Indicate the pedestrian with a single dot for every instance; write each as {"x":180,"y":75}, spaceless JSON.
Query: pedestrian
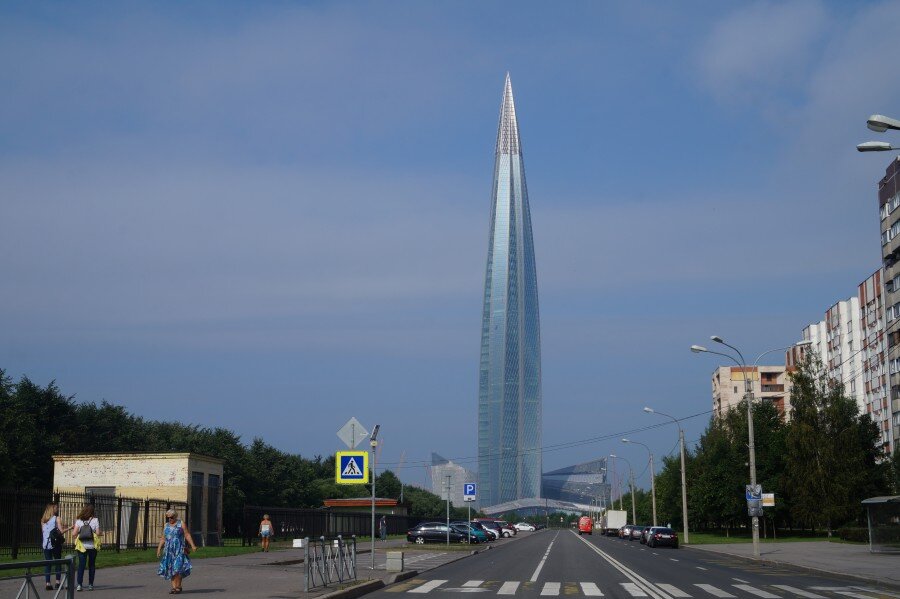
{"x":175,"y":564}
{"x":52,"y":539}
{"x":266,"y":531}
{"x":382,"y":528}
{"x":86,"y":532}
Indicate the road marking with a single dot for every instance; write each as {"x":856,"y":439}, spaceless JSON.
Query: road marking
{"x":672,"y":590}
{"x":633,"y":589}
{"x":854,"y":595}
{"x":655,"y":553}
{"x":700,"y":568}
{"x":641,"y":582}
{"x":537,"y":570}
{"x":739,"y":580}
{"x":509,"y":588}
{"x":755,"y":591}
{"x":550,"y":588}
{"x":473,"y":583}
{"x":428,"y":586}
{"x":876,"y":591}
{"x":799,"y":592}
{"x":590,"y":589}
{"x":673,"y":559}
{"x":713,"y":590}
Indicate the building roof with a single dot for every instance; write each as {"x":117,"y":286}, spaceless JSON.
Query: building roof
{"x":883,"y":499}
{"x":134,"y":455}
{"x":360,"y":502}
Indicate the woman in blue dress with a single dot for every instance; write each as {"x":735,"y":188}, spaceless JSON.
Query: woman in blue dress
{"x":175,"y":564}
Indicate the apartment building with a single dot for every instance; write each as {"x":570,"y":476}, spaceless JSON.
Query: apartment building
{"x":888,"y":204}
{"x":876,"y":400}
{"x":769,"y":383}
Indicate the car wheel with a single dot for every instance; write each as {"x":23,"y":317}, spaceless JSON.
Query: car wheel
{"x":420,"y":540}
{"x":651,"y":545}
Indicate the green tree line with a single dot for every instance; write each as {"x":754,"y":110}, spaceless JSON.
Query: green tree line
{"x":820,"y":463}
{"x":37,"y":422}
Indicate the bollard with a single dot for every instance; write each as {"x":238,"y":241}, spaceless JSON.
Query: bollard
{"x":394,"y":561}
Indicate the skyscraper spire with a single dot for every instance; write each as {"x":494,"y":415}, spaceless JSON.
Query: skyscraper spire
{"x":509,"y":382}
{"x":508,"y":132}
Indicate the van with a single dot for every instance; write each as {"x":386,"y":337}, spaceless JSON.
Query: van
{"x":585,"y":525}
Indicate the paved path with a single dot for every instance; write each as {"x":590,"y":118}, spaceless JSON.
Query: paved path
{"x":840,"y":558}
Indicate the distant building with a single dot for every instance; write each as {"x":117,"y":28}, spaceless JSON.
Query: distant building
{"x":888,"y":203}
{"x":444,"y":471}
{"x":876,"y":400}
{"x":768,"y":383}
{"x":581,"y":483}
{"x":189,"y":477}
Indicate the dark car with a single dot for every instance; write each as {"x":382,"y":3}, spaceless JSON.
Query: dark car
{"x":660,"y":535}
{"x":434,"y":532}
{"x":636,"y":532}
{"x":491,"y":534}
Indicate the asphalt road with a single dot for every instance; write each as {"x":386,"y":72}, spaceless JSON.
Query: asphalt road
{"x":553,"y":563}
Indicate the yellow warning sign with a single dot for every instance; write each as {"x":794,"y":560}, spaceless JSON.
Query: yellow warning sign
{"x":351,"y":467}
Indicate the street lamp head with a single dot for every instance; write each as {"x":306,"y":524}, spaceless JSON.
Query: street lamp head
{"x":625,"y":441}
{"x":716,"y":338}
{"x":648,"y":410}
{"x":804,"y":343}
{"x":612,"y":455}
{"x":880,"y":123}
{"x":874,"y":146}
{"x":698,"y":349}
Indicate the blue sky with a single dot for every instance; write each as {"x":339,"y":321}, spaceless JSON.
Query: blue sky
{"x":274,"y":216}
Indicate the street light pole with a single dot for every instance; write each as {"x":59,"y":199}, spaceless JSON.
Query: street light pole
{"x":373,"y":443}
{"x":684,"y":509}
{"x":652,"y":476}
{"x":633,"y":504}
{"x":448,"y":508}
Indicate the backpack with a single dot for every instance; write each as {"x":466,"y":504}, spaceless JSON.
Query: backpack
{"x":56,"y":538}
{"x":86,"y":533}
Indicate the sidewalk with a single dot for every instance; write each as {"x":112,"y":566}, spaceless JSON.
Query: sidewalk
{"x":278,"y":574}
{"x":835,"y":558}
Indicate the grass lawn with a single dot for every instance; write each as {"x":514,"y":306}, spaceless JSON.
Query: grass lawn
{"x":111,"y":559}
{"x":708,"y":538}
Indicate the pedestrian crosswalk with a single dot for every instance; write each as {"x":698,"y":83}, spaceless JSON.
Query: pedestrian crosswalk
{"x":644,"y":590}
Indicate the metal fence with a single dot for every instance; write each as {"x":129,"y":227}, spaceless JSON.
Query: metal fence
{"x":291,"y":523}
{"x":126,"y":522}
{"x":327,"y":561}
{"x":37,"y":570}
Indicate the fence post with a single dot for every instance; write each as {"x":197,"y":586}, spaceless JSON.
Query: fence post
{"x":306,"y":564}
{"x":146,"y":522}
{"x":118,"y":524}
{"x":17,"y":504}
{"x":70,"y":577}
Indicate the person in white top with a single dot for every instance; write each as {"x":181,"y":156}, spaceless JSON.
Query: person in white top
{"x":85,"y":530}
{"x":52,"y":542}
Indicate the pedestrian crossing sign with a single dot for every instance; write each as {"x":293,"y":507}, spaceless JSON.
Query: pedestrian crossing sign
{"x":351,"y":468}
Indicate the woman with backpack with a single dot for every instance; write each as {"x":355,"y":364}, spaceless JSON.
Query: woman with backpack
{"x":52,"y":540}
{"x":175,"y":564}
{"x":87,"y":543}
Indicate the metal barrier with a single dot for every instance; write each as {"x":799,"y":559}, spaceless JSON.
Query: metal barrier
{"x":28,"y":588}
{"x":329,"y":561}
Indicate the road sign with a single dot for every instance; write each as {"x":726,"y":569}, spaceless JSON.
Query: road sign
{"x":768,"y":499}
{"x":352,"y":433}
{"x":469,"y":492}
{"x":351,"y":467}
{"x":754,"y":492}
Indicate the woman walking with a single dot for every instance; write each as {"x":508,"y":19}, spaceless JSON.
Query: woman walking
{"x":86,"y":531}
{"x":266,"y":530}
{"x":52,"y":541}
{"x":175,"y":564}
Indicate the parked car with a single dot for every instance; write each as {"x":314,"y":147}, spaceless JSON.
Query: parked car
{"x":585,"y":525}
{"x":644,"y":534}
{"x":520,"y":526}
{"x":508,"y":528}
{"x":626,"y":531}
{"x":636,"y":533}
{"x":491,"y":535}
{"x":434,"y":532}
{"x":491,"y":526}
{"x":476,"y":535}
{"x":660,"y":535}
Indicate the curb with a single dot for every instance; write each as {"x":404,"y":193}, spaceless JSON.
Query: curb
{"x":355,"y":591}
{"x":774,"y":562}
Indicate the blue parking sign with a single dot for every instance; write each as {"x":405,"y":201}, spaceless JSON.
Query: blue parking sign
{"x":469,"y":492}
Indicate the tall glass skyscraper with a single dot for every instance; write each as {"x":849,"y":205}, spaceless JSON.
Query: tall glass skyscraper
{"x":509,"y":387}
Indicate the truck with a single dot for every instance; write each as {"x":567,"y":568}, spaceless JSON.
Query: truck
{"x":612,"y":521}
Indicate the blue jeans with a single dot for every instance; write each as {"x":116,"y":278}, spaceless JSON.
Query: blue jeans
{"x":89,"y":556}
{"x":53,"y":554}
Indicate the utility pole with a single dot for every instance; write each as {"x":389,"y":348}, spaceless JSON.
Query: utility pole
{"x":448,"y":508}
{"x":373,"y":443}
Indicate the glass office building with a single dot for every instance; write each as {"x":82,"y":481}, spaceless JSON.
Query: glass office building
{"x":509,"y":387}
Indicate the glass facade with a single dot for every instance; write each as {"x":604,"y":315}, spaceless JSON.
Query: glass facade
{"x":509,"y":388}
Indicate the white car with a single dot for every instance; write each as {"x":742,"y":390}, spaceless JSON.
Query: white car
{"x":524,"y":526}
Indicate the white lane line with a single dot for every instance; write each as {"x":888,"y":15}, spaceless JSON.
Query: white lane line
{"x":590,"y":589}
{"x":655,"y":553}
{"x":739,"y":580}
{"x":673,"y":559}
{"x":700,"y":568}
{"x":755,"y":591}
{"x":717,"y":592}
{"x":876,"y":591}
{"x":633,"y":589}
{"x":642,"y":583}
{"x":473,"y":583}
{"x":672,"y":590}
{"x":853,"y":595}
{"x":509,"y":587}
{"x":798,"y":592}
{"x":537,"y":570}
{"x":428,"y":586}
{"x":550,"y":588}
